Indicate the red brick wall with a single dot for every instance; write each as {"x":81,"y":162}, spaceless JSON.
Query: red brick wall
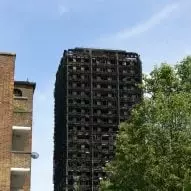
{"x":6,"y":112}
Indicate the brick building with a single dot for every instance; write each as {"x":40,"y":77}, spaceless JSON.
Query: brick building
{"x":16,"y":100}
{"x":95,"y":90}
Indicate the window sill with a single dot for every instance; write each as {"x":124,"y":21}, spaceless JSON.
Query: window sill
{"x":20,"y":98}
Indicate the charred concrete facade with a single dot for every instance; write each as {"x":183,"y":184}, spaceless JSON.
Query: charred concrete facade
{"x":16,"y":100}
{"x":95,"y":90}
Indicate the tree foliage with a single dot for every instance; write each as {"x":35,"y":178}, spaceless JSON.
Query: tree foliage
{"x":153,"y":148}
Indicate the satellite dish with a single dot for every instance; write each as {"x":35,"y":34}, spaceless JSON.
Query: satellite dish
{"x":34,"y":155}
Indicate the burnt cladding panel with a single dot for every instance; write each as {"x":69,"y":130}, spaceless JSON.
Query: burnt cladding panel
{"x":79,"y":118}
{"x":130,"y":78}
{"x":60,"y":139}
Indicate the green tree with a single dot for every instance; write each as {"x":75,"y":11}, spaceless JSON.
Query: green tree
{"x":153,"y":148}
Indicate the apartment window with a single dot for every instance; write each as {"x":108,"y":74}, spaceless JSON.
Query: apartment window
{"x":109,"y":112}
{"x":86,"y":60}
{"x":82,"y":146}
{"x":133,"y":98}
{"x":105,"y":120}
{"x":86,"y":102}
{"x":110,"y":121}
{"x":108,"y":62}
{"x":110,"y":147}
{"x":82,"y":119}
{"x":75,"y":102}
{"x":98,"y":112}
{"x":18,"y":141}
{"x":17,"y":93}
{"x":131,"y":63}
{"x":93,"y":60}
{"x":120,"y":63}
{"x":98,"y":78}
{"x":109,"y":103}
{"x":124,"y":88}
{"x":70,"y":128}
{"x":74,"y":110}
{"x":74,"y":68}
{"x":74,"y":120}
{"x":78,"y":85}
{"x":98,"y":86}
{"x":98,"y":120}
{"x":74,"y":76}
{"x":74,"y":85}
{"x":105,"y":138}
{"x":87,"y":68}
{"x":78,"y":59}
{"x":104,"y":102}
{"x":98,"y":103}
{"x":17,"y":181}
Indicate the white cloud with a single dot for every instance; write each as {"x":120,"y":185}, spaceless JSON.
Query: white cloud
{"x":144,"y":26}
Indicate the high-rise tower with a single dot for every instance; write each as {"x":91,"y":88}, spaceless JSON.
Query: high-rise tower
{"x":95,"y":90}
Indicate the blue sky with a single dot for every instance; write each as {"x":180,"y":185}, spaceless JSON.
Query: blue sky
{"x":38,"y":31}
